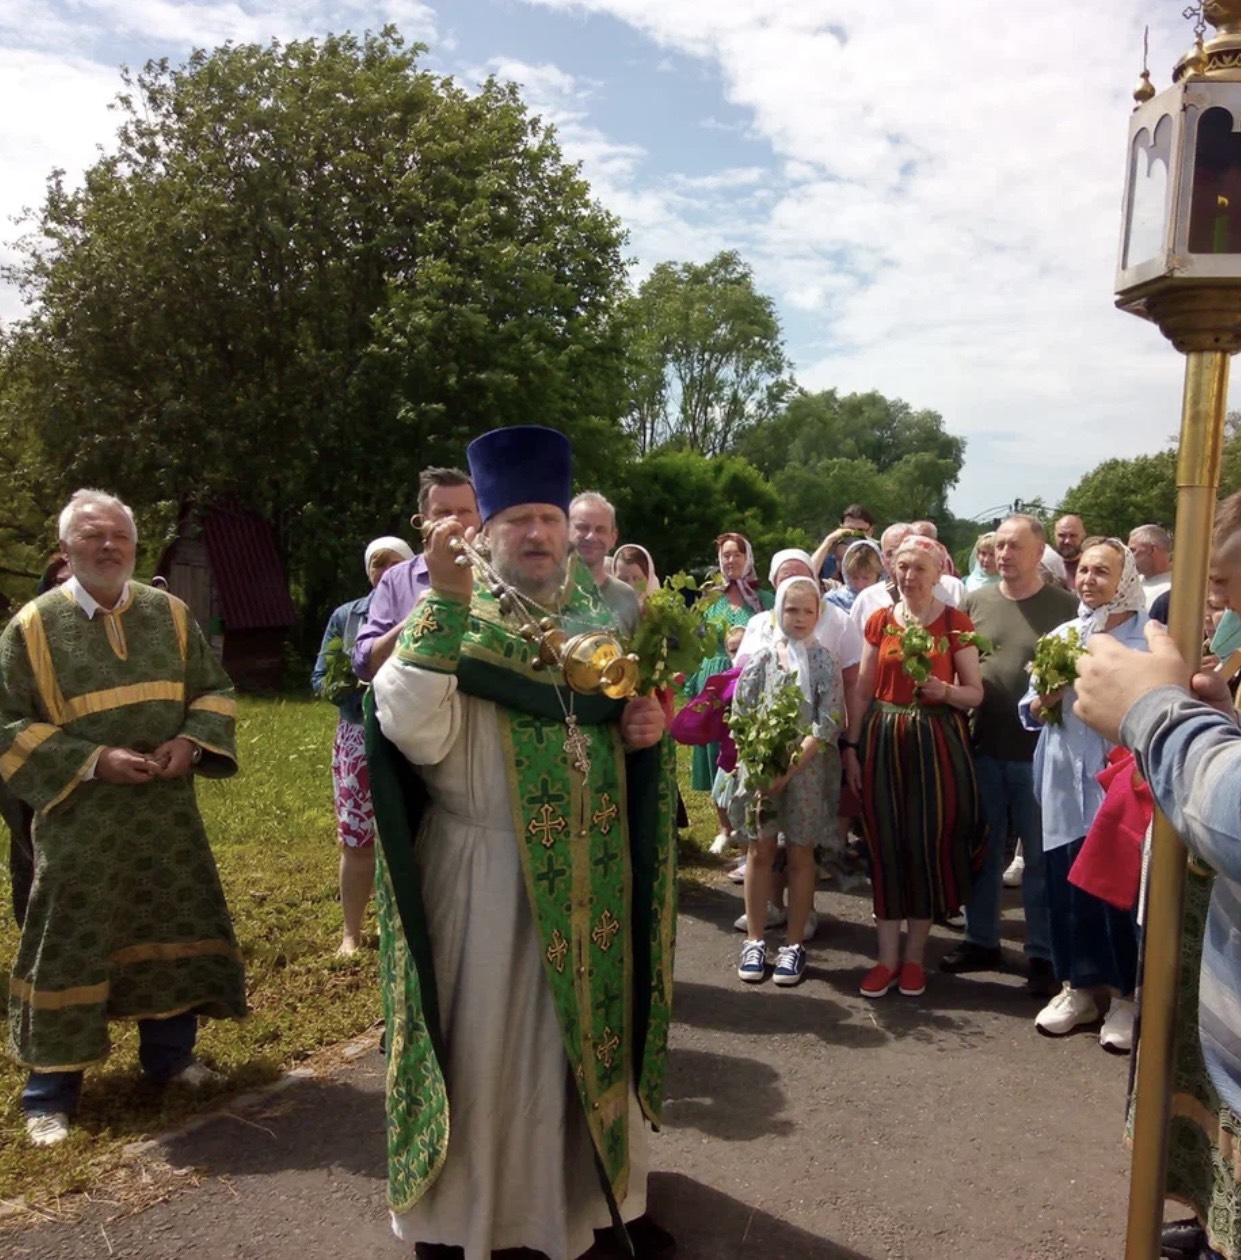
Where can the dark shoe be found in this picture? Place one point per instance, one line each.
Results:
(438, 1251)
(1041, 979)
(970, 957)
(1182, 1240)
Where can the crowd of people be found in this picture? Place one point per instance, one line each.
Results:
(930, 764)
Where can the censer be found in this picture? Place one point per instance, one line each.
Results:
(593, 662)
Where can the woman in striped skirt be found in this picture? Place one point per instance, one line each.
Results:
(908, 754)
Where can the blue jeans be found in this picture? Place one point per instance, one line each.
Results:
(1009, 806)
(165, 1047)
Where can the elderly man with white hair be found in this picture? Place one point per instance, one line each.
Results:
(1152, 552)
(110, 703)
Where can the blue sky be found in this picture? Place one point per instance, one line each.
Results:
(929, 192)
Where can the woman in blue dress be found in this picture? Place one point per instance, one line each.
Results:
(1094, 945)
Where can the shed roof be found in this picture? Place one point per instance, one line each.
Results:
(254, 592)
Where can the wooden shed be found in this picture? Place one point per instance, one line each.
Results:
(224, 564)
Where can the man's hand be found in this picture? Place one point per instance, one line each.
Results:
(123, 765)
(642, 722)
(175, 757)
(447, 576)
(1110, 678)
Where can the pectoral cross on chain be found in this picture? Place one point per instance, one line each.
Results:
(577, 746)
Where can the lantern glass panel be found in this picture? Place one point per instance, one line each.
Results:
(1149, 163)
(1215, 201)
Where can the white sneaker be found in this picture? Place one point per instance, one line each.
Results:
(777, 916)
(812, 925)
(47, 1130)
(196, 1076)
(1067, 1010)
(1117, 1031)
(1015, 871)
(720, 843)
(737, 874)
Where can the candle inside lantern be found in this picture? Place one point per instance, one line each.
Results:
(1220, 235)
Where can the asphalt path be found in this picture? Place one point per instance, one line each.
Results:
(800, 1124)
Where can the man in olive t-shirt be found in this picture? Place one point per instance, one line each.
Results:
(1013, 615)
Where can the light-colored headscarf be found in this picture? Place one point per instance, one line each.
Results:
(799, 658)
(783, 557)
(1129, 597)
(978, 576)
(747, 583)
(843, 596)
(389, 542)
(924, 546)
(622, 555)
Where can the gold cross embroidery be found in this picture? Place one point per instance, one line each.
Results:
(605, 931)
(557, 950)
(607, 1047)
(426, 622)
(549, 823)
(603, 818)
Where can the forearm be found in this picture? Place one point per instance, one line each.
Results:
(963, 695)
(1190, 754)
(381, 648)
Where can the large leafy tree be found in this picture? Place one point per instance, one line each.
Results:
(706, 357)
(1122, 493)
(677, 503)
(305, 272)
(824, 451)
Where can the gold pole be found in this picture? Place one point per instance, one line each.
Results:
(1197, 476)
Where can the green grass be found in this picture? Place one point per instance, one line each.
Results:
(274, 837)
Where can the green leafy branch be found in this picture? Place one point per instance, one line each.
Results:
(769, 741)
(1054, 669)
(339, 680)
(674, 637)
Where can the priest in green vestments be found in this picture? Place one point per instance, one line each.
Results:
(526, 897)
(110, 703)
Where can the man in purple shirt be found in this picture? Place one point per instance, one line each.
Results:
(441, 492)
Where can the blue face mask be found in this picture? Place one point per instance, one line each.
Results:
(1227, 637)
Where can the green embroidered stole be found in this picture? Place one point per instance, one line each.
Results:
(599, 860)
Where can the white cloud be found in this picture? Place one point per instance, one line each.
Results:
(948, 209)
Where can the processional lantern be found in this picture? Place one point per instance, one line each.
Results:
(1180, 268)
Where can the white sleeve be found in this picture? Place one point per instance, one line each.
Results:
(841, 636)
(954, 589)
(867, 602)
(418, 710)
(754, 638)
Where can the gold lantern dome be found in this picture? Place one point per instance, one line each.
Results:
(1180, 254)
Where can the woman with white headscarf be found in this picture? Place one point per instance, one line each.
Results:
(742, 598)
(1094, 946)
(351, 791)
(634, 565)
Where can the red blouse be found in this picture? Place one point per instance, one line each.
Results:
(892, 684)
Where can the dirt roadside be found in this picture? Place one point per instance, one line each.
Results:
(804, 1124)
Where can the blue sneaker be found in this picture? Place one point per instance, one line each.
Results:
(790, 965)
(753, 965)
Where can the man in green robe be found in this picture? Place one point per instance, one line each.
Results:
(527, 894)
(110, 703)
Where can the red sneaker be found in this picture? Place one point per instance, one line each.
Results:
(911, 980)
(879, 981)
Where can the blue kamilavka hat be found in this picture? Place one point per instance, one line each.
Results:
(523, 463)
